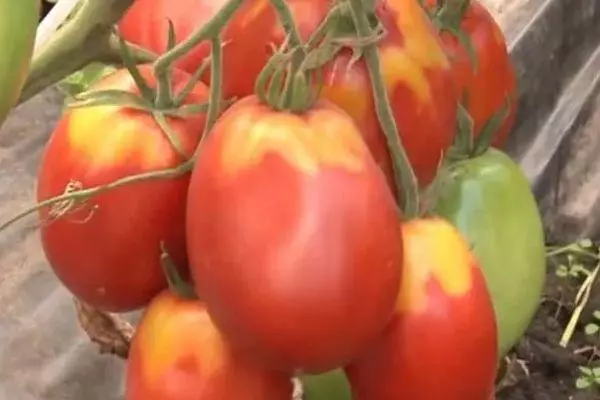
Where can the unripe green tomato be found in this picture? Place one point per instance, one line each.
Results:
(489, 199)
(18, 24)
(332, 385)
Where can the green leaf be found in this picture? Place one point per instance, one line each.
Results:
(585, 243)
(94, 98)
(586, 371)
(591, 329)
(85, 78)
(582, 383)
(562, 271)
(596, 314)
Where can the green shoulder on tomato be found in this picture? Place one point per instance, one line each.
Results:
(489, 199)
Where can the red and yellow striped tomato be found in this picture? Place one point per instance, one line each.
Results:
(416, 70)
(178, 354)
(250, 34)
(441, 343)
(419, 82)
(292, 235)
(106, 250)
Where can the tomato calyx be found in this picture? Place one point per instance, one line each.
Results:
(177, 284)
(447, 16)
(466, 145)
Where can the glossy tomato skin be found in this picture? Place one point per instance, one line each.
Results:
(419, 80)
(489, 199)
(178, 354)
(441, 343)
(416, 69)
(291, 235)
(106, 252)
(18, 23)
(486, 87)
(249, 35)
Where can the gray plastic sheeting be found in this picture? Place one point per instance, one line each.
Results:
(555, 44)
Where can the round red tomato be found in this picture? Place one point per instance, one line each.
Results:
(486, 85)
(416, 69)
(177, 353)
(249, 35)
(106, 251)
(292, 235)
(442, 342)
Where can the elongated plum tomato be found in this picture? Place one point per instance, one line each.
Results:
(178, 353)
(106, 251)
(441, 343)
(486, 85)
(418, 78)
(416, 70)
(292, 237)
(249, 35)
(489, 199)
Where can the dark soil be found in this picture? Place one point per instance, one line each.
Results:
(539, 368)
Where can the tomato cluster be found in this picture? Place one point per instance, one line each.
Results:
(287, 227)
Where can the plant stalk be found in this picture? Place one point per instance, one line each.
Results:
(406, 182)
(83, 39)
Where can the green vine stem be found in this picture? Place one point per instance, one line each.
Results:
(79, 196)
(83, 195)
(87, 37)
(207, 31)
(406, 182)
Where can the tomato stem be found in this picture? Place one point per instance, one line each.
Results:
(85, 194)
(176, 283)
(216, 82)
(85, 38)
(293, 96)
(405, 179)
(206, 31)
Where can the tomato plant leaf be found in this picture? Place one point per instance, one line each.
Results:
(93, 98)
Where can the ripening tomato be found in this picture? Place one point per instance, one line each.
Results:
(486, 85)
(416, 70)
(418, 77)
(489, 199)
(249, 35)
(106, 250)
(441, 343)
(177, 353)
(292, 238)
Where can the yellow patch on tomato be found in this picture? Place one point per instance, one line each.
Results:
(107, 139)
(433, 250)
(257, 8)
(351, 100)
(421, 51)
(306, 142)
(164, 342)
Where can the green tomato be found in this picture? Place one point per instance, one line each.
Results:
(332, 385)
(18, 24)
(489, 199)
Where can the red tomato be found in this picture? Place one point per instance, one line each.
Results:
(416, 70)
(442, 342)
(485, 88)
(106, 251)
(291, 235)
(178, 354)
(249, 35)
(418, 76)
